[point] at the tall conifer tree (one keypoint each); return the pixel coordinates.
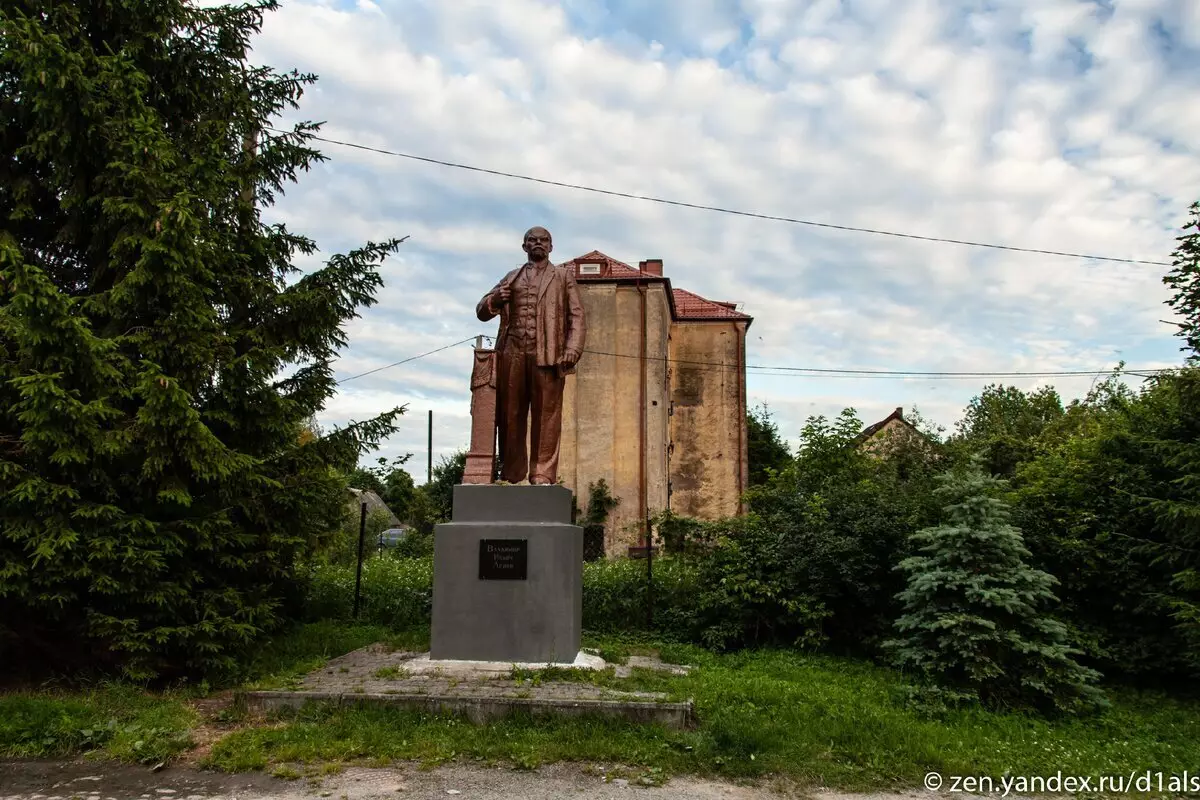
(159, 353)
(1177, 505)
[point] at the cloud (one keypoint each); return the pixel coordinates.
(1060, 125)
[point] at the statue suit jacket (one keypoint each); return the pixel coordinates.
(560, 324)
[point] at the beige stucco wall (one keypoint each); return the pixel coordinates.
(708, 466)
(601, 419)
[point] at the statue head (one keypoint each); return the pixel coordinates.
(537, 244)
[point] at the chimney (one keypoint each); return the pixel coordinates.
(900, 412)
(651, 266)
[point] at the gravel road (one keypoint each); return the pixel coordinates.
(83, 780)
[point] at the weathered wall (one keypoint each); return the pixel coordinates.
(708, 466)
(896, 432)
(602, 422)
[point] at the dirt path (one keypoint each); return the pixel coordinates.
(85, 780)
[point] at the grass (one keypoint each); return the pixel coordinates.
(114, 721)
(392, 673)
(127, 723)
(817, 719)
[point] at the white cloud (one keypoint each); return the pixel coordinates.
(1050, 124)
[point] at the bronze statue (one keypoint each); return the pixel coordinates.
(540, 341)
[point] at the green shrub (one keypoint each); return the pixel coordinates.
(395, 592)
(615, 597)
(752, 592)
(415, 545)
(342, 547)
(831, 527)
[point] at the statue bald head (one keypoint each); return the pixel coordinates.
(537, 244)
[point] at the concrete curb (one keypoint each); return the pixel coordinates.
(480, 710)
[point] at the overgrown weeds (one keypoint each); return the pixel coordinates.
(117, 721)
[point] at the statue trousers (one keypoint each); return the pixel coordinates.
(529, 404)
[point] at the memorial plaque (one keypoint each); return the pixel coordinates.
(503, 559)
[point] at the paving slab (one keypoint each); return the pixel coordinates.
(481, 691)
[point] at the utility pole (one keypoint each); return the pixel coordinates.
(429, 471)
(362, 535)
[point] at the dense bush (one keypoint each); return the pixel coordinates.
(395, 592)
(341, 547)
(1077, 503)
(829, 530)
(615, 597)
(754, 589)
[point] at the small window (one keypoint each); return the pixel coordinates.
(589, 269)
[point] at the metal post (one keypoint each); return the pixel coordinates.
(649, 577)
(429, 472)
(362, 535)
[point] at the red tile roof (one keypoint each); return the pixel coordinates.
(685, 305)
(611, 268)
(692, 306)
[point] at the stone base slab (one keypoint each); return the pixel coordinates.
(480, 710)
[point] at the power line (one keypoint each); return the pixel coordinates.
(735, 212)
(403, 361)
(815, 372)
(811, 372)
(875, 373)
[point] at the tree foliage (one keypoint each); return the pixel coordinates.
(1077, 504)
(1003, 423)
(976, 616)
(390, 481)
(766, 451)
(1184, 280)
(833, 524)
(159, 354)
(1174, 502)
(433, 502)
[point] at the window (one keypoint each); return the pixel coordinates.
(589, 269)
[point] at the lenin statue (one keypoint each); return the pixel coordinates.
(540, 341)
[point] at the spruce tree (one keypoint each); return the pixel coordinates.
(975, 622)
(1176, 446)
(159, 352)
(1184, 279)
(1171, 451)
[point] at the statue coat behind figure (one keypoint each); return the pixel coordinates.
(480, 466)
(540, 341)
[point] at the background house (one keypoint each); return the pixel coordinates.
(374, 504)
(890, 431)
(657, 407)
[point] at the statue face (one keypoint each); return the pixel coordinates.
(537, 243)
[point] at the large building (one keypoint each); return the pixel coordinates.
(657, 407)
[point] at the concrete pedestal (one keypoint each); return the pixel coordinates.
(508, 577)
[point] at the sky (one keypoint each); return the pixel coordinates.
(1049, 124)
